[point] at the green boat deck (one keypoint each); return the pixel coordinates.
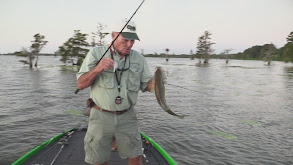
(72, 153)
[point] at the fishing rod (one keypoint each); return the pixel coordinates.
(77, 90)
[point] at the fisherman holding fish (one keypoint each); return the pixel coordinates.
(114, 83)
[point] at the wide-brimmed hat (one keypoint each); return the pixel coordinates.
(129, 31)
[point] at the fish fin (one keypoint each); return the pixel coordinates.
(153, 86)
(152, 90)
(180, 116)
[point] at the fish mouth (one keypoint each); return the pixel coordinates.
(158, 67)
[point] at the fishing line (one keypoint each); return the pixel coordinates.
(63, 143)
(183, 88)
(77, 90)
(40, 156)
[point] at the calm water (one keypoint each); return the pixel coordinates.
(240, 113)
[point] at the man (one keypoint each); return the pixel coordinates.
(114, 89)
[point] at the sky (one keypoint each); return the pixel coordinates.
(161, 24)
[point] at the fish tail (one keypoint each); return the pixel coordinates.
(180, 116)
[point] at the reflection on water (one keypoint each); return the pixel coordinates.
(237, 113)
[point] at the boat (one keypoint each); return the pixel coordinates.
(67, 149)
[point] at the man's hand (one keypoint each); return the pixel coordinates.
(105, 64)
(86, 79)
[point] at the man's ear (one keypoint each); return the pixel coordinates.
(114, 34)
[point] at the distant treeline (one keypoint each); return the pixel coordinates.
(254, 53)
(74, 50)
(40, 54)
(265, 52)
(258, 53)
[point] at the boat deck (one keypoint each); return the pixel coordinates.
(73, 153)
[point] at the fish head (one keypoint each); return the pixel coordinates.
(158, 71)
(158, 67)
(160, 74)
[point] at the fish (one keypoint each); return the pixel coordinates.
(159, 89)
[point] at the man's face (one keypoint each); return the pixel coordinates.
(121, 45)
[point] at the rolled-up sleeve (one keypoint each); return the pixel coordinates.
(88, 64)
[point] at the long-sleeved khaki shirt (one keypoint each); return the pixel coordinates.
(104, 89)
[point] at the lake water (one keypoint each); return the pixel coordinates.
(237, 113)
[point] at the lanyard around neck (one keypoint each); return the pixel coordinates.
(121, 71)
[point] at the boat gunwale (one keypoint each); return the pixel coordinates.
(165, 155)
(35, 150)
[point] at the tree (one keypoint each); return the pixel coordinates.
(253, 52)
(288, 48)
(269, 52)
(226, 54)
(37, 46)
(290, 38)
(35, 49)
(167, 52)
(204, 46)
(99, 34)
(265, 52)
(74, 49)
(191, 55)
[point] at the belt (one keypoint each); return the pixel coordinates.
(115, 112)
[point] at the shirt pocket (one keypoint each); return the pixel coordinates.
(134, 77)
(106, 79)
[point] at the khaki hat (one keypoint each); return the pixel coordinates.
(129, 31)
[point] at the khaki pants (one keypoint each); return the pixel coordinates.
(102, 126)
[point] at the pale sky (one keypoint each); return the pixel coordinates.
(161, 24)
